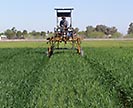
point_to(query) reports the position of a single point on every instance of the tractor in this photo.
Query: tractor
(65, 34)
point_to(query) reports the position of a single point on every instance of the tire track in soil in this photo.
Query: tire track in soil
(108, 79)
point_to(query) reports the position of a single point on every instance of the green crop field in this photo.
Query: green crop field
(102, 78)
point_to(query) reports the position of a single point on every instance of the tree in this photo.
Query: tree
(106, 30)
(18, 34)
(130, 29)
(9, 33)
(33, 33)
(43, 34)
(101, 28)
(1, 34)
(76, 30)
(113, 30)
(90, 29)
(96, 34)
(24, 33)
(100, 31)
(110, 30)
(14, 30)
(37, 34)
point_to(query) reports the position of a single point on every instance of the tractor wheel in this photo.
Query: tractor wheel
(50, 52)
(80, 51)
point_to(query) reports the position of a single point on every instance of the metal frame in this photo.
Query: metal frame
(65, 11)
(62, 37)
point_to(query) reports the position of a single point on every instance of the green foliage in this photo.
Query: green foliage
(100, 31)
(25, 33)
(101, 28)
(43, 34)
(90, 29)
(1, 34)
(9, 33)
(102, 78)
(82, 34)
(96, 34)
(76, 30)
(19, 34)
(13, 33)
(23, 45)
(129, 35)
(50, 34)
(33, 33)
(116, 35)
(105, 29)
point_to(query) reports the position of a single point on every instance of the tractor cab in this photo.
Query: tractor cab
(61, 14)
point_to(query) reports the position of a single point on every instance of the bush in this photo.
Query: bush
(129, 36)
(96, 34)
(116, 35)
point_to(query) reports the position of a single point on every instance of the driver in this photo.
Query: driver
(64, 25)
(63, 22)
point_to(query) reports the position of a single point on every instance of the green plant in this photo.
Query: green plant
(102, 78)
(96, 34)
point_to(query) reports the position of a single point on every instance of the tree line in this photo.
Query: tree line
(103, 31)
(100, 31)
(13, 33)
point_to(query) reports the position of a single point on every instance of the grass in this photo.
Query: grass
(102, 78)
(108, 43)
(22, 44)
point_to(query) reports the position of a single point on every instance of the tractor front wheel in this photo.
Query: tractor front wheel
(80, 51)
(50, 52)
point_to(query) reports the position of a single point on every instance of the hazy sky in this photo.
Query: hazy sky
(40, 15)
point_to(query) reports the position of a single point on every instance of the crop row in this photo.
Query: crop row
(102, 78)
(114, 66)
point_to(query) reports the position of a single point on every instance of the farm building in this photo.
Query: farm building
(3, 37)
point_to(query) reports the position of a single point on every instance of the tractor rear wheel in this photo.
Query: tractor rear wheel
(50, 52)
(80, 51)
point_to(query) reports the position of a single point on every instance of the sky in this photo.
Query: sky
(40, 15)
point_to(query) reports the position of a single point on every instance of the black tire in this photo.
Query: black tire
(82, 52)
